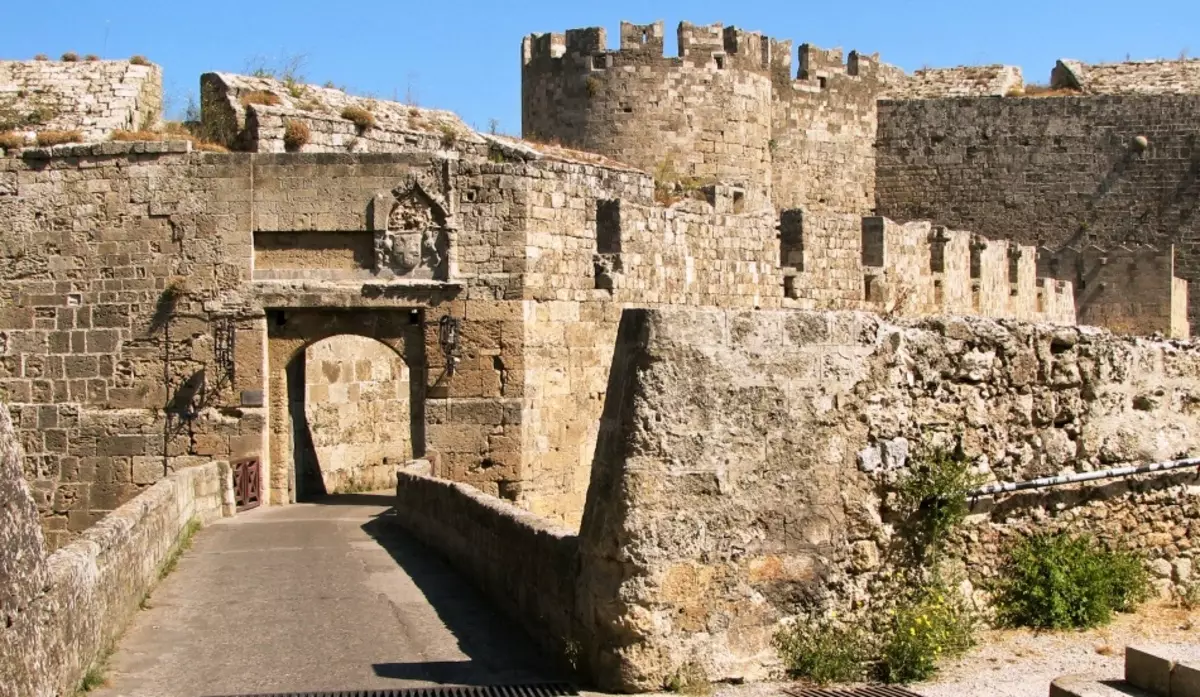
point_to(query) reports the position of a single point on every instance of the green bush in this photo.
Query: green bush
(935, 622)
(825, 651)
(934, 495)
(1056, 581)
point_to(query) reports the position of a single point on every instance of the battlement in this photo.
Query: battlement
(1131, 289)
(700, 45)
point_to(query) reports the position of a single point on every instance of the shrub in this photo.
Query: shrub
(262, 97)
(449, 136)
(1055, 581)
(47, 139)
(91, 58)
(690, 679)
(139, 60)
(295, 135)
(12, 140)
(826, 651)
(1188, 597)
(41, 57)
(934, 496)
(70, 56)
(932, 623)
(362, 118)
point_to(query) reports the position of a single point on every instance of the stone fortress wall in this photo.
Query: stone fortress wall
(384, 230)
(856, 137)
(92, 97)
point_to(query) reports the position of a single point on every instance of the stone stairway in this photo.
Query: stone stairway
(1146, 675)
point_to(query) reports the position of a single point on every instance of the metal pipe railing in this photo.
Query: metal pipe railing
(1060, 480)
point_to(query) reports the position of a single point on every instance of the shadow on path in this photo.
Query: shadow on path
(499, 651)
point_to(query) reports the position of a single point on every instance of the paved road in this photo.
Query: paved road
(313, 597)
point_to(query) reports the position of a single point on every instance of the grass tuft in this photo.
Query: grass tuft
(295, 135)
(262, 97)
(48, 139)
(362, 118)
(181, 546)
(70, 57)
(12, 140)
(139, 60)
(91, 58)
(41, 57)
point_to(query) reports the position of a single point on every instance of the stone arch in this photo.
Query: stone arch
(290, 333)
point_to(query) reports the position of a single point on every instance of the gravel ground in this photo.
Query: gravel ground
(1020, 663)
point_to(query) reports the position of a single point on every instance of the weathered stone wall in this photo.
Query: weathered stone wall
(251, 113)
(1051, 171)
(135, 340)
(525, 565)
(356, 402)
(93, 97)
(823, 129)
(595, 246)
(963, 81)
(1131, 77)
(1130, 291)
(777, 431)
(63, 612)
(704, 115)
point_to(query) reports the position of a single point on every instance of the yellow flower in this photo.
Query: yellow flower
(912, 632)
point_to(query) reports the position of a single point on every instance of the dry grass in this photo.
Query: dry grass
(70, 56)
(91, 58)
(139, 60)
(262, 97)
(11, 140)
(1042, 91)
(41, 57)
(362, 118)
(47, 139)
(295, 135)
(174, 131)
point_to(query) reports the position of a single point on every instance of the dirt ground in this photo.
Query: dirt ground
(1023, 663)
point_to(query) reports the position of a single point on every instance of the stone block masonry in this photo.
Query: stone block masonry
(93, 97)
(1051, 171)
(64, 611)
(776, 431)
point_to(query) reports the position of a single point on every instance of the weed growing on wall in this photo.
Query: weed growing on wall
(917, 617)
(1059, 581)
(933, 499)
(933, 622)
(827, 651)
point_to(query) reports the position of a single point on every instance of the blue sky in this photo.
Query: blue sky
(464, 56)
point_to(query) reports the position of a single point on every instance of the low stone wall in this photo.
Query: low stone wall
(744, 462)
(522, 563)
(63, 612)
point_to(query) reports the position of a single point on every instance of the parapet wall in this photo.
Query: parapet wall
(1130, 291)
(92, 97)
(963, 81)
(777, 431)
(914, 270)
(1131, 77)
(252, 114)
(65, 611)
(525, 565)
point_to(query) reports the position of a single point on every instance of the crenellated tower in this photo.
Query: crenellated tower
(700, 117)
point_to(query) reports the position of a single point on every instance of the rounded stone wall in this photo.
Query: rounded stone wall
(701, 117)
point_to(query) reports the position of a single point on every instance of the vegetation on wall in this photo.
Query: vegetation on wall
(1060, 581)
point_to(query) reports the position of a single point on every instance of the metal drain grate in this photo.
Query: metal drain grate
(535, 690)
(873, 691)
